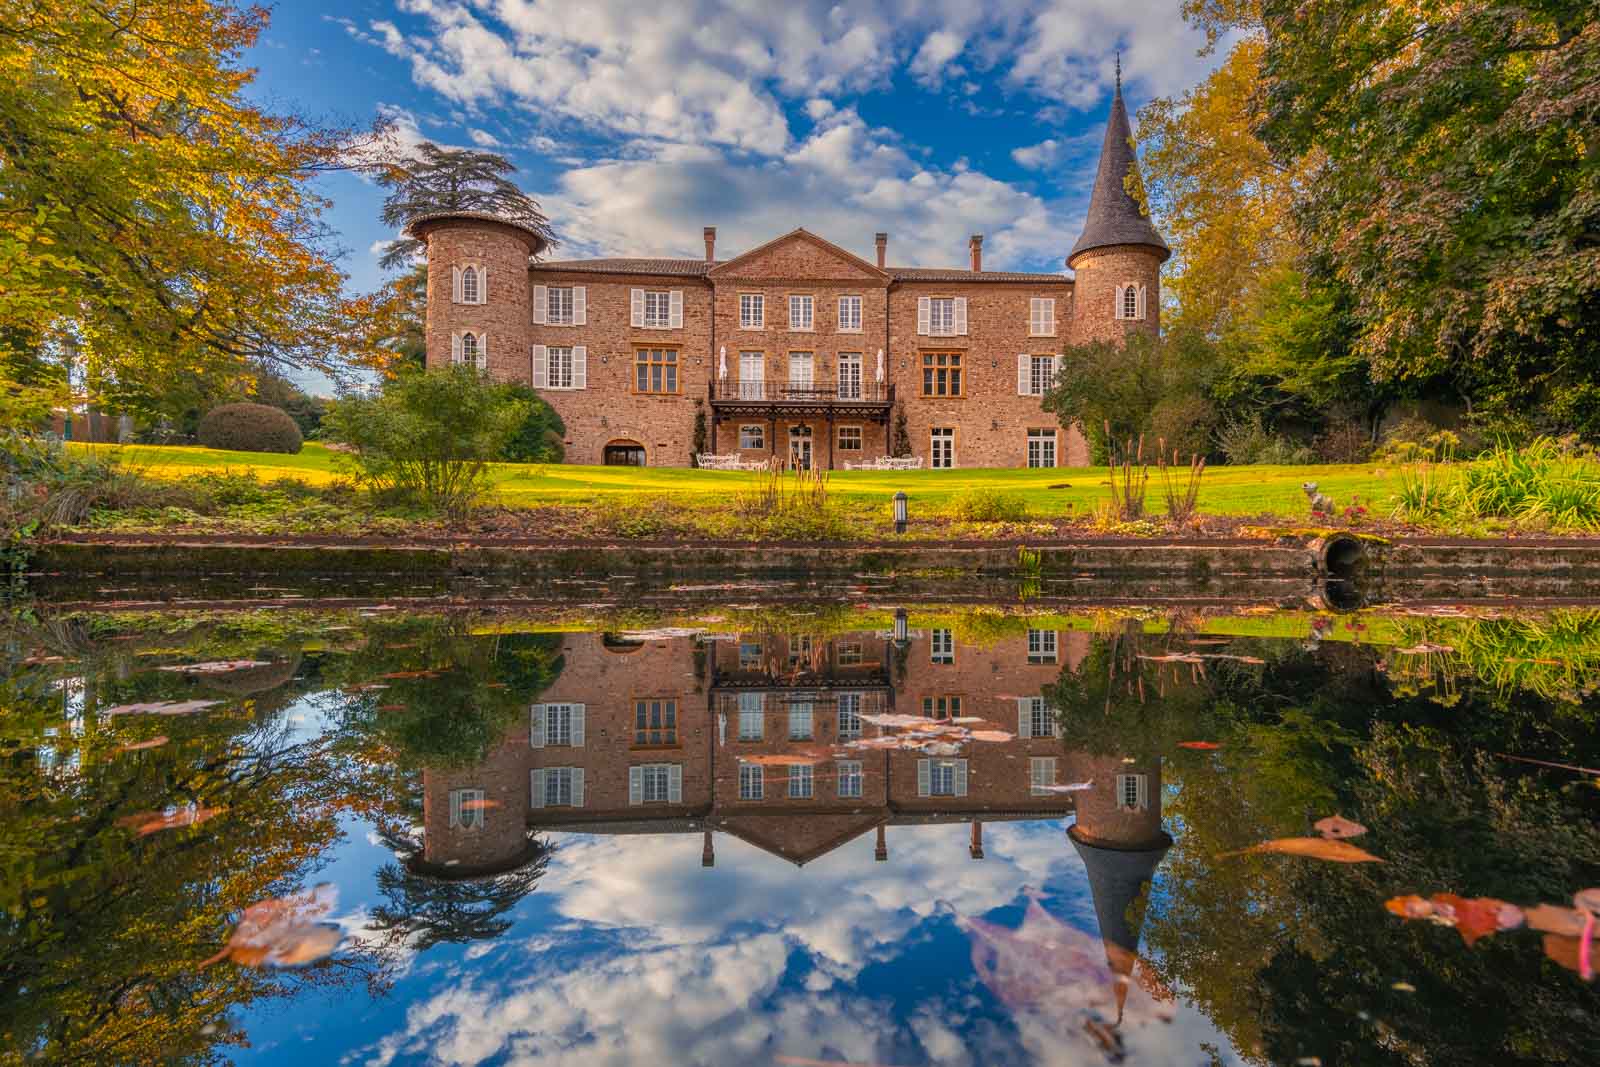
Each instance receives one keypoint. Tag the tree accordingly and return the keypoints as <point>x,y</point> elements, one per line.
<point>159,228</point>
<point>451,179</point>
<point>1456,194</point>
<point>539,438</point>
<point>396,318</point>
<point>306,410</point>
<point>429,436</point>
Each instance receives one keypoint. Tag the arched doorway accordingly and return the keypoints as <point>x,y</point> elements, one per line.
<point>623,454</point>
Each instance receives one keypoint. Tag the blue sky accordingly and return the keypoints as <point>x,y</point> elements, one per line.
<point>638,122</point>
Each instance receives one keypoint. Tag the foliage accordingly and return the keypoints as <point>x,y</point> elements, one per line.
<point>430,178</point>
<point>539,437</point>
<point>429,437</point>
<point>249,428</point>
<point>1248,441</point>
<point>1181,492</point>
<point>698,445</point>
<point>161,240</point>
<point>1543,483</point>
<point>989,505</point>
<point>1183,424</point>
<point>1114,388</point>
<point>306,410</point>
<point>901,445</point>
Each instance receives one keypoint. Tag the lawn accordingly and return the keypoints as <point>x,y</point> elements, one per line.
<point>1054,492</point>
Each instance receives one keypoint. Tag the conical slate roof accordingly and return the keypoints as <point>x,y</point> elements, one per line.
<point>1114,216</point>
<point>1116,878</point>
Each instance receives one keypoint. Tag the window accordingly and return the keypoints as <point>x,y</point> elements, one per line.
<point>655,722</point>
<point>850,778</point>
<point>849,716</point>
<point>946,707</point>
<point>802,370</point>
<point>849,314</point>
<point>941,374</point>
<point>1042,316</point>
<point>849,654</point>
<point>558,307</point>
<point>558,787</point>
<point>849,375</point>
<point>469,285</point>
<point>1131,792</point>
<point>800,648</point>
<point>1041,646</point>
<point>558,724</point>
<point>942,646</point>
<point>655,783</point>
<point>752,782</point>
<point>657,308</point>
<point>560,364</point>
<point>800,728</point>
<point>800,781</point>
<point>800,312</point>
<point>752,311</point>
<point>753,435</point>
<point>1035,718</point>
<point>466,809</point>
<point>943,446</point>
<point>749,655</point>
<point>1041,774</point>
<point>941,777</point>
<point>752,375</point>
<point>656,370</point>
<point>1130,302</point>
<point>472,350</point>
<point>850,439</point>
<point>752,716</point>
<point>1035,374</point>
<point>1041,448</point>
<point>942,316</point>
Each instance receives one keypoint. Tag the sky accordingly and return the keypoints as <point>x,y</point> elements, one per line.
<point>636,123</point>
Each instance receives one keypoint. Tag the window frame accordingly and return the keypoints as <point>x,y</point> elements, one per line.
<point>760,435</point>
<point>1036,787</point>
<point>945,656</point>
<point>946,367</point>
<point>1043,654</point>
<point>860,438</point>
<point>1042,313</point>
<point>667,732</point>
<point>849,773</point>
<point>550,316</point>
<point>947,705</point>
<point>663,297</point>
<point>801,711</point>
<point>1041,438</point>
<point>463,818</point>
<point>758,714</point>
<point>475,272</point>
<point>802,775</point>
<point>757,302</point>
<point>847,719</point>
<point>550,355</point>
<point>675,364</point>
<point>857,303</point>
<point>934,304</point>
<point>752,773</point>
<point>558,780</point>
<point>808,301</point>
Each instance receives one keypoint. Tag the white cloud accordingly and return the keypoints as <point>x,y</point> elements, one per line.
<point>1037,156</point>
<point>938,49</point>
<point>483,138</point>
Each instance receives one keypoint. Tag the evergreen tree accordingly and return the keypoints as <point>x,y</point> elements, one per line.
<point>451,179</point>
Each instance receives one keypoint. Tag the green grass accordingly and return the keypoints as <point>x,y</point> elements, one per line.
<point>1225,490</point>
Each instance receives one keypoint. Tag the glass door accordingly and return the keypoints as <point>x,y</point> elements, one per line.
<point>800,373</point>
<point>752,376</point>
<point>944,447</point>
<point>800,447</point>
<point>849,375</point>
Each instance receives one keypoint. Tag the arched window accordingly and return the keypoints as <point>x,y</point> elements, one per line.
<point>469,348</point>
<point>1130,302</point>
<point>469,285</point>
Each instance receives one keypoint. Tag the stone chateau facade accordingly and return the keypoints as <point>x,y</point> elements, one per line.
<point>796,349</point>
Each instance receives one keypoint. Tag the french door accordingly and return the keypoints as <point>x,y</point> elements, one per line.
<point>849,375</point>
<point>800,447</point>
<point>752,376</point>
<point>944,448</point>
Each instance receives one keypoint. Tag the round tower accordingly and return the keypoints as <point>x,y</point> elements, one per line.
<point>1116,261</point>
<point>478,307</point>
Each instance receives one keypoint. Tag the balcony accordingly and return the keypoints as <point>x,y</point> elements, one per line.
<point>805,398</point>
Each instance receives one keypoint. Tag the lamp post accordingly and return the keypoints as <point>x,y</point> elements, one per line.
<point>902,635</point>
<point>900,512</point>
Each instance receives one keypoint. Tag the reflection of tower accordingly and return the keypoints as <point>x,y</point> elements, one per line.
<point>475,820</point>
<point>1119,837</point>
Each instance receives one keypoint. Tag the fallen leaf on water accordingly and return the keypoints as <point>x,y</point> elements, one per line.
<point>479,805</point>
<point>1070,787</point>
<point>1204,746</point>
<point>1554,919</point>
<point>283,931</point>
<point>1423,648</point>
<point>391,707</point>
<point>217,667</point>
<point>781,760</point>
<point>409,674</point>
<point>1338,827</point>
<point>1587,900</point>
<point>894,720</point>
<point>1410,906</point>
<point>992,735</point>
<point>139,746</point>
<point>1563,950</point>
<point>1477,917</point>
<point>1403,987</point>
<point>150,822</point>
<point>1319,848</point>
<point>163,707</point>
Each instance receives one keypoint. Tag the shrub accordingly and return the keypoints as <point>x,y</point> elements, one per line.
<point>1247,441</point>
<point>249,428</point>
<point>1343,442</point>
<point>538,439</point>
<point>51,485</point>
<point>1183,425</point>
<point>989,505</point>
<point>430,436</point>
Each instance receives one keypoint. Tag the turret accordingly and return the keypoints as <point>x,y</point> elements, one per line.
<point>478,309</point>
<point>1117,260</point>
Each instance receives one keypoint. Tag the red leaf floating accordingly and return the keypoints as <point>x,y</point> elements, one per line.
<point>283,931</point>
<point>1317,848</point>
<point>1338,827</point>
<point>1204,746</point>
<point>150,822</point>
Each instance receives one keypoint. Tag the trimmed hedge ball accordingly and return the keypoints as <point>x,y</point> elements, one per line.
<point>249,428</point>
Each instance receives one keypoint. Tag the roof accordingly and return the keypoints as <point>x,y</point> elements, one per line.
<point>699,268</point>
<point>800,233</point>
<point>541,241</point>
<point>1115,217</point>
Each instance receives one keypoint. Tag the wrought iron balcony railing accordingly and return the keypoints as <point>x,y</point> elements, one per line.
<point>846,392</point>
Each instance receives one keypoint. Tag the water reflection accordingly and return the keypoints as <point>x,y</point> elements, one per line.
<point>595,847</point>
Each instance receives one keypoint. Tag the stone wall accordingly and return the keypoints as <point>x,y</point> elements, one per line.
<point>502,251</point>
<point>1098,272</point>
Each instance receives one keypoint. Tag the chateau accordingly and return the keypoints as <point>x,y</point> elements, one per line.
<point>796,349</point>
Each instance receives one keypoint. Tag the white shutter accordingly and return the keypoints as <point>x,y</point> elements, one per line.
<point>1050,316</point>
<point>675,310</point>
<point>961,777</point>
<point>541,304</point>
<point>1116,296</point>
<point>455,285</point>
<point>578,711</point>
<point>536,788</point>
<point>1024,718</point>
<point>1024,375</point>
<point>924,777</point>
<point>541,367</point>
<point>961,316</point>
<point>580,367</point>
<point>580,305</point>
<point>577,787</point>
<point>1141,303</point>
<point>636,781</point>
<point>483,351</point>
<point>924,314</point>
<point>675,784</point>
<point>637,303</point>
<point>1055,369</point>
<point>455,808</point>
<point>536,726</point>
<point>455,348</point>
<point>483,285</point>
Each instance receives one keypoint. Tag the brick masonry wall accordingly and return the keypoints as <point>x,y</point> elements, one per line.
<point>503,252</point>
<point>1097,274</point>
<point>609,409</point>
<point>991,421</point>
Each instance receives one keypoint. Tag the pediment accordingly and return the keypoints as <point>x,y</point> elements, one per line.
<point>799,256</point>
<point>800,838</point>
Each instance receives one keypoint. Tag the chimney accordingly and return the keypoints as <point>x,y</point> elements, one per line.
<point>977,252</point>
<point>711,244</point>
<point>883,249</point>
<point>881,852</point>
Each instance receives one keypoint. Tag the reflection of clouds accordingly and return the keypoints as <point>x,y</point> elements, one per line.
<point>653,956</point>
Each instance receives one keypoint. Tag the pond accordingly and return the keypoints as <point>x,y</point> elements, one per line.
<point>763,833</point>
